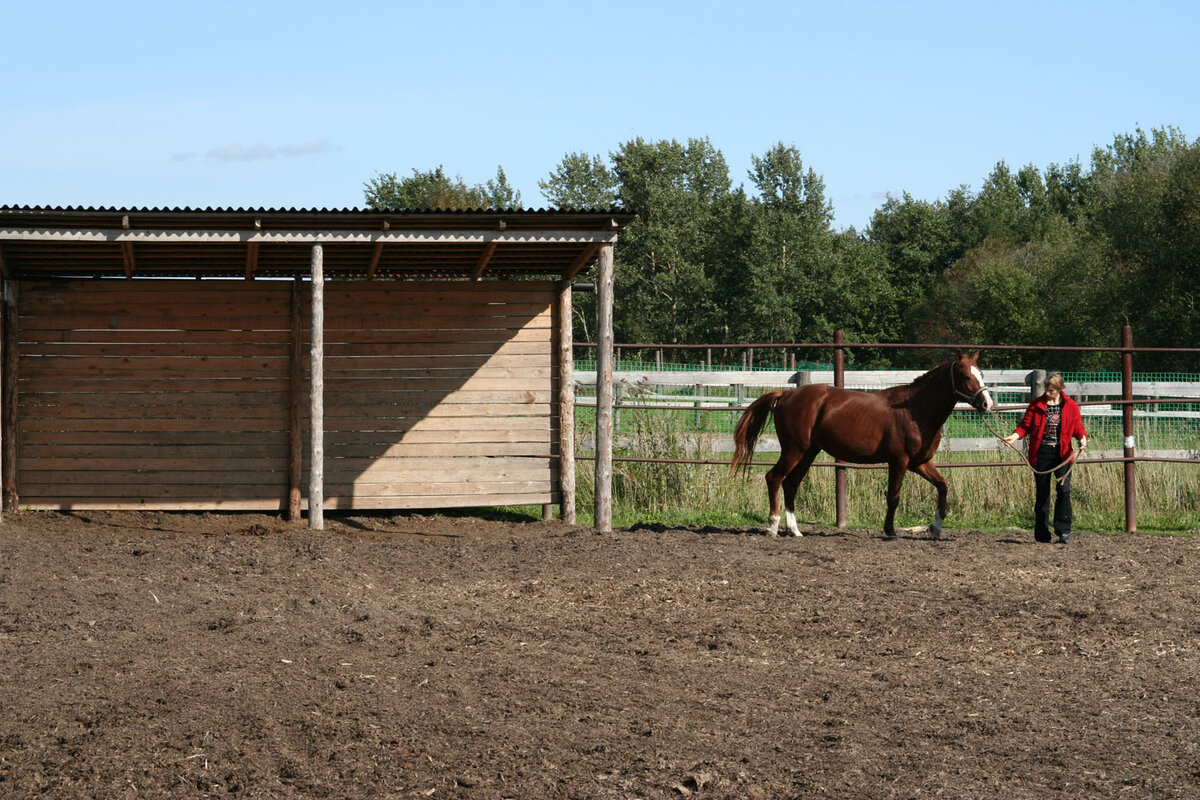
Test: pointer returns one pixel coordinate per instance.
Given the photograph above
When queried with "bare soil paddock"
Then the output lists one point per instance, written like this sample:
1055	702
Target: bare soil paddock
147	655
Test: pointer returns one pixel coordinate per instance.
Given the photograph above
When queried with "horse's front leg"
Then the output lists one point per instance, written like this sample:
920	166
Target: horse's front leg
930	473
895	481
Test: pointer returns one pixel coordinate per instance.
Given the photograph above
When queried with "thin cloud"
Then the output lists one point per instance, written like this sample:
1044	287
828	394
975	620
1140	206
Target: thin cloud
260	152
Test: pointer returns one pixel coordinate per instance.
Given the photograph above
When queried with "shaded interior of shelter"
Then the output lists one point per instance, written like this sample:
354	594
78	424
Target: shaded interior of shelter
439	392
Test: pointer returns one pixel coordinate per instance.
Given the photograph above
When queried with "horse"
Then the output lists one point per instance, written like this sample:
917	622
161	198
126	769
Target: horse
901	426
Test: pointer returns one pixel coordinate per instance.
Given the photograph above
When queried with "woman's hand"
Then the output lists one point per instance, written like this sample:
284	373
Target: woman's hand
1012	437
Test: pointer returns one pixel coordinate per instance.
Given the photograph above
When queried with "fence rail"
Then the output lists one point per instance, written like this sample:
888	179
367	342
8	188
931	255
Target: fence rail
727	391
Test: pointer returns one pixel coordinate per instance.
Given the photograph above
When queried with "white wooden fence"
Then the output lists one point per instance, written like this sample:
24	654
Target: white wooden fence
737	388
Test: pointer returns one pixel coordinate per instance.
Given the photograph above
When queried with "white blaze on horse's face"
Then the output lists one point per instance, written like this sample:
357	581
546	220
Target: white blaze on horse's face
987	397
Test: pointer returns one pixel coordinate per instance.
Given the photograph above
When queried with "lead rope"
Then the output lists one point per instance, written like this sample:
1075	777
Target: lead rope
1068	460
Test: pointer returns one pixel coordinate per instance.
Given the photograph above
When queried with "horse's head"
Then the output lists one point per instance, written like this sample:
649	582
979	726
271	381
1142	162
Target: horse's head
967	381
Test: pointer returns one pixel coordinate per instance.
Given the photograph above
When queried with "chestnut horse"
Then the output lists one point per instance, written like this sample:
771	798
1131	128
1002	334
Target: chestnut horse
901	426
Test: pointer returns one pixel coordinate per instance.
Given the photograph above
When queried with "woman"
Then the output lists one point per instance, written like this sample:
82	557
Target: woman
1051	421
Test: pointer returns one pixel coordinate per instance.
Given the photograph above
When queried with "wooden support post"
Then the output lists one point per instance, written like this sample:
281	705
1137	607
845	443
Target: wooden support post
604	389
11	399
295	404
839	473
6	429
316	467
1127	429
566	406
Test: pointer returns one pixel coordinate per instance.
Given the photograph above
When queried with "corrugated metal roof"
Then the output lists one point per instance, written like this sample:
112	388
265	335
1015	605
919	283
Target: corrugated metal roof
39	242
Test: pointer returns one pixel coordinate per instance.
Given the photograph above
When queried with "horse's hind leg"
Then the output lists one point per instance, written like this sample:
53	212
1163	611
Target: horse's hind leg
775	477
929	472
791	483
896	471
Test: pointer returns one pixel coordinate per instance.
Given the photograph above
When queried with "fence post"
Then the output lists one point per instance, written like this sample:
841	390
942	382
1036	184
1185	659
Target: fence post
1127	428
604	391
839	473
1037	384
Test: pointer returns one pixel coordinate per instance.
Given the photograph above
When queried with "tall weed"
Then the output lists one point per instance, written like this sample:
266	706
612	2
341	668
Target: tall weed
980	497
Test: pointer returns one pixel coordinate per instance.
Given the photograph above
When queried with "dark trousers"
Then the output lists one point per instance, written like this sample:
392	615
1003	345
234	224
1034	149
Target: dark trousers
1049	457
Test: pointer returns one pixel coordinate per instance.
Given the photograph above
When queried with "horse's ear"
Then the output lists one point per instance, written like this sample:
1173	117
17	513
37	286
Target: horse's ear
975	357
958	354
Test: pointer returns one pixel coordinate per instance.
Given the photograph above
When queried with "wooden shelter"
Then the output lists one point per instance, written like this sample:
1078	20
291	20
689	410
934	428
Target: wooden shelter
276	359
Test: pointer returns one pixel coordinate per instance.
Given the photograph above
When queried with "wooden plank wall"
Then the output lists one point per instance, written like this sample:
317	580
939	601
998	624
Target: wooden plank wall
439	395
174	395
153	394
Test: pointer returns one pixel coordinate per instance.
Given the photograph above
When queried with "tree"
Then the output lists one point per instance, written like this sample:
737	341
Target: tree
787	258
499	195
665	270
434	190
993	294
784	185
580	181
1148	190
916	238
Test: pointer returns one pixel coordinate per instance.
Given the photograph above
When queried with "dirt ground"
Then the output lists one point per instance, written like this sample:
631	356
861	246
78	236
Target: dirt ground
236	656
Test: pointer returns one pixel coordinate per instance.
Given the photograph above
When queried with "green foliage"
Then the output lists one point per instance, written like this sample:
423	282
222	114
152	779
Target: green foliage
1063	257
665	273
434	190
580	181
709	262
1058	256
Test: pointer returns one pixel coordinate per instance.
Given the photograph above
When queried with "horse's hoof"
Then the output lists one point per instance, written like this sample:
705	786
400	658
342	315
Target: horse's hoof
891	538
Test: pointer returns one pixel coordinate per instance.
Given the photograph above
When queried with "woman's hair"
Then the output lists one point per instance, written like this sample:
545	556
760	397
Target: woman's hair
1054	381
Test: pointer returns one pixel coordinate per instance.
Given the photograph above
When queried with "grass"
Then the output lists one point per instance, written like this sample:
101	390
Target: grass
988	498
981	498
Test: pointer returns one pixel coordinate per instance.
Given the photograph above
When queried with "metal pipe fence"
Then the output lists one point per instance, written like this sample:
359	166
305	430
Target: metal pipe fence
838	347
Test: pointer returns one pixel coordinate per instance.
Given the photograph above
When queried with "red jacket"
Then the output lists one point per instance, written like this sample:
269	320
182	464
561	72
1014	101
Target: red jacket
1034	425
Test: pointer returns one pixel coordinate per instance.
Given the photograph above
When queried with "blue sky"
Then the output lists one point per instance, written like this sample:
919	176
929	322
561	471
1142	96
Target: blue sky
281	105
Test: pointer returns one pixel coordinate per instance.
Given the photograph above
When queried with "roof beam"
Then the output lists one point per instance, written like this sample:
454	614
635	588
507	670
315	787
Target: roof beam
584	259
376	254
482	263
251	260
333	237
130	261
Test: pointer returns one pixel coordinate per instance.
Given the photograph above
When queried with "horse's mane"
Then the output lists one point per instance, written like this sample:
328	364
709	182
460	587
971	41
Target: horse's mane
928	377
907	390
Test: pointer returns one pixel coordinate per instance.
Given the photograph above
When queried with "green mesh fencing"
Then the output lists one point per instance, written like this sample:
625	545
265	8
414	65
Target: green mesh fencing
1171	426
627	365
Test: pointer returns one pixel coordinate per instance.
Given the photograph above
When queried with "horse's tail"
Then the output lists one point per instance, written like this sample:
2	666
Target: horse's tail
745	435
